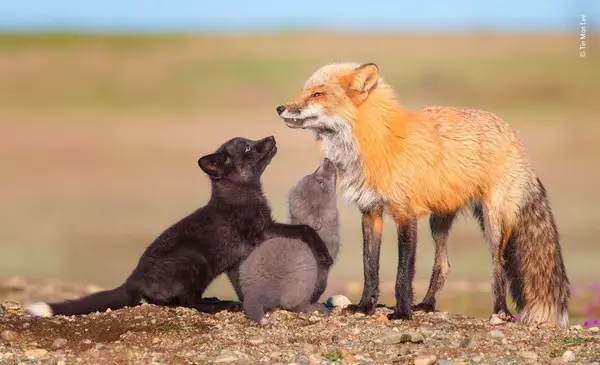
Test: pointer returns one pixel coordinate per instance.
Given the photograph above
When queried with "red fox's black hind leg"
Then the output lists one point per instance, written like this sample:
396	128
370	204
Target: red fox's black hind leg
440	225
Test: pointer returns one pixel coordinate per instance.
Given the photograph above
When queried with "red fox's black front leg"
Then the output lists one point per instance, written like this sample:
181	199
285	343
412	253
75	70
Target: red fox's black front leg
372	227
306	234
407	244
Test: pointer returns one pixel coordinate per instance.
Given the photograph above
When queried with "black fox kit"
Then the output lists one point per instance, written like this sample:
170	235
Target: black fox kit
181	262
282	272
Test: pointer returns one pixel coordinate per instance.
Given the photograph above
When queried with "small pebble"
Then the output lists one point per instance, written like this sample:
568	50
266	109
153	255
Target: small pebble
338	301
594	329
100	346
36	353
59	342
495	320
445	362
568	356
8	335
314	319
497	336
425	360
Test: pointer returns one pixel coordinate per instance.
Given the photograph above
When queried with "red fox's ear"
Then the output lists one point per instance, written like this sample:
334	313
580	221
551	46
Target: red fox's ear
364	79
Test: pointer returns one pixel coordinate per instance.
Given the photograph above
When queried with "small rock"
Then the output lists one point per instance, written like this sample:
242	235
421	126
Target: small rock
338	301
477	359
425	360
594	329
86	342
495	320
314	319
226	355
100	346
568	356
445	362
26	325
8	335
255	341
155	340
497	336
576	327
529	355
59	342
36	353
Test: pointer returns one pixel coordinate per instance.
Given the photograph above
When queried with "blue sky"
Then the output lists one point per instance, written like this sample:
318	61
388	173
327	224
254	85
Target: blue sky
261	15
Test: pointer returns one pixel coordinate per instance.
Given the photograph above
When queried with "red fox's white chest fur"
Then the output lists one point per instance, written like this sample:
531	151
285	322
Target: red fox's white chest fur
427	161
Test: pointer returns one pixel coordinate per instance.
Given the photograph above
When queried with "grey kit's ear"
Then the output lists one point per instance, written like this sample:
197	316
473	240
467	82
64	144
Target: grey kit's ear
364	79
213	164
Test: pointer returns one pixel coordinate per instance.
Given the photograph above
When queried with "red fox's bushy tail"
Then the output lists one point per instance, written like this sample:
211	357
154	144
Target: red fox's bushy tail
534	265
114	299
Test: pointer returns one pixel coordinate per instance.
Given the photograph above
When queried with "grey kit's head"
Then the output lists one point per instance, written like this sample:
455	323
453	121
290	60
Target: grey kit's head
313	199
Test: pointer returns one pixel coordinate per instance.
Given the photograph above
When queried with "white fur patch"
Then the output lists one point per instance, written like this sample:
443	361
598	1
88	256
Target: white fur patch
341	148
264	321
39	309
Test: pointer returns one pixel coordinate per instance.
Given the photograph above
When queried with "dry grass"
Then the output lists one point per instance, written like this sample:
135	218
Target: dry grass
100	136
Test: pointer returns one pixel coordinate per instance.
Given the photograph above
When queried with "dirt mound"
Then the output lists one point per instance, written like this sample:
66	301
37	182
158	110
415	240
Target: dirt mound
150	334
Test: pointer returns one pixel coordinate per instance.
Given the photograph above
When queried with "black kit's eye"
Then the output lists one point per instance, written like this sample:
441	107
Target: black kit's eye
247	149
321	183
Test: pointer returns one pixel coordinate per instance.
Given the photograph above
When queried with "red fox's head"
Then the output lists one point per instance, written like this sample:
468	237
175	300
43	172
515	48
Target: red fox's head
331	97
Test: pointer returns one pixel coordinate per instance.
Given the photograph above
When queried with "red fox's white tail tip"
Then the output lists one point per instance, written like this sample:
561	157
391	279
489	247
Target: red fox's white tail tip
537	315
39	309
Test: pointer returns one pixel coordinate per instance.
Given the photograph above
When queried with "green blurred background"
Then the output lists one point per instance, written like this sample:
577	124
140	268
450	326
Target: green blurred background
100	135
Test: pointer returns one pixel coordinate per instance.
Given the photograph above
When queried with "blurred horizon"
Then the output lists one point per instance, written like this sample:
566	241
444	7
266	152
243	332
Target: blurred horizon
161	16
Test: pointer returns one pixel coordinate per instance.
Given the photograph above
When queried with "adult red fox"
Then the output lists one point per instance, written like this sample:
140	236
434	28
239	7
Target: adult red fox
435	161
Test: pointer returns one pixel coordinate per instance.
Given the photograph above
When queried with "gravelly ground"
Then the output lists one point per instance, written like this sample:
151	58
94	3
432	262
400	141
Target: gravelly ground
150	334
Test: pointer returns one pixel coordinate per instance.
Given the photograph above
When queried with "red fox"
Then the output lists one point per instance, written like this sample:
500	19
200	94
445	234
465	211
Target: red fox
436	161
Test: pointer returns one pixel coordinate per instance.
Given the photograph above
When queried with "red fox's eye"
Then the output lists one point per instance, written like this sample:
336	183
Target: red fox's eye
317	94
